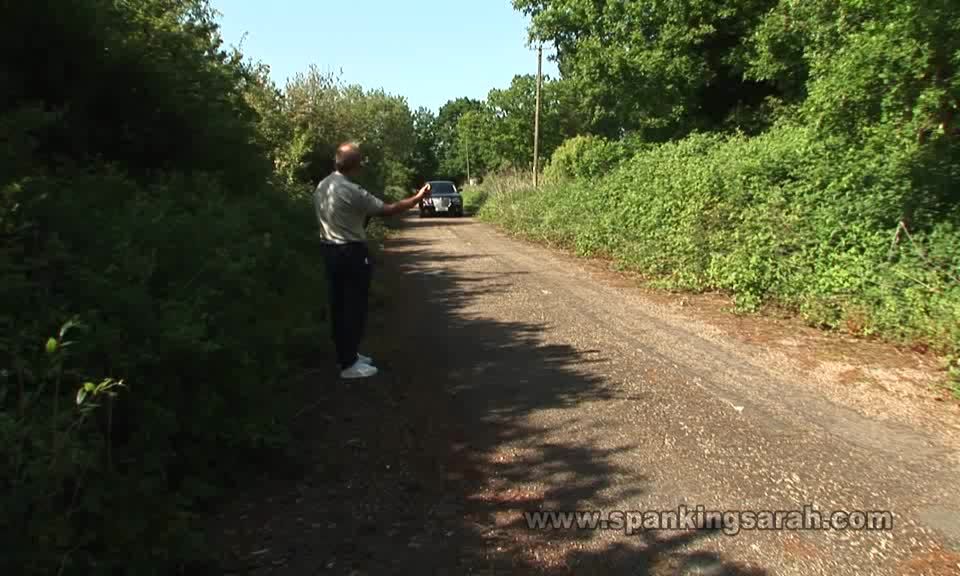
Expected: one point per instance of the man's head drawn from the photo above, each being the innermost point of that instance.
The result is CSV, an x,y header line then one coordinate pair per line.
x,y
348,159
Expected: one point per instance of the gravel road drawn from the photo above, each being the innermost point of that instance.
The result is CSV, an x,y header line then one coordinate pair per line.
x,y
579,394
526,379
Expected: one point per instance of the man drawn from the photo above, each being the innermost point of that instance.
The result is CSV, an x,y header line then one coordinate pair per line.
x,y
343,209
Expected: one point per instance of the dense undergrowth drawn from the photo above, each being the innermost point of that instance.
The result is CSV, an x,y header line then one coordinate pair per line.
x,y
789,216
803,153
160,280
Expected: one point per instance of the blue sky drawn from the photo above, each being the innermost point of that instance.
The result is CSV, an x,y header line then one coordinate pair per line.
x,y
428,51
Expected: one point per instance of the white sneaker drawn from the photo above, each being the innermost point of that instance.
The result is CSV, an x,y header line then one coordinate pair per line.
x,y
365,359
358,370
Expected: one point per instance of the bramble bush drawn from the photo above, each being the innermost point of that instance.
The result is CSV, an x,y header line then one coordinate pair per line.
x,y
841,203
586,157
202,305
789,216
152,188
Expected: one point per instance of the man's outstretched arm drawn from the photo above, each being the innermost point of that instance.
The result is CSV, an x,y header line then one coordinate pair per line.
x,y
405,204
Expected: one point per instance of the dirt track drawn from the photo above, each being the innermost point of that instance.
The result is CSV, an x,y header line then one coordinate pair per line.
x,y
516,378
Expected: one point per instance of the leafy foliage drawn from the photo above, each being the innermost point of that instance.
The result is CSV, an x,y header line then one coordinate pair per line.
x,y
586,157
497,133
425,162
786,216
660,67
153,186
323,113
474,197
451,151
808,154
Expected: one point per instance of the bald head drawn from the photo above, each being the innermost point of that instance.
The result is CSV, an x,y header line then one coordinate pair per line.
x,y
348,158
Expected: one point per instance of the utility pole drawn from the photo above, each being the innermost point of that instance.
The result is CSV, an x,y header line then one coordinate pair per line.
x,y
468,156
536,119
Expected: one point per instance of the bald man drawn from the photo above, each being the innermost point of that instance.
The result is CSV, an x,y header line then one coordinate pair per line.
x,y
343,208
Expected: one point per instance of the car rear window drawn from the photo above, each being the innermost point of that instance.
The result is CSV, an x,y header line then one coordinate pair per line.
x,y
442,189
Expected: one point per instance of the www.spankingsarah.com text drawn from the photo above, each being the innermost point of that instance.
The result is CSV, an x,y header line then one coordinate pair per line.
x,y
730,522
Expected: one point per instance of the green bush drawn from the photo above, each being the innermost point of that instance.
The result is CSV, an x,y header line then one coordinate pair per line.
x,y
137,196
844,202
474,198
789,216
585,157
200,304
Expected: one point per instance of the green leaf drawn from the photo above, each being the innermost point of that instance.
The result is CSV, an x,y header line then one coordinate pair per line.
x,y
51,345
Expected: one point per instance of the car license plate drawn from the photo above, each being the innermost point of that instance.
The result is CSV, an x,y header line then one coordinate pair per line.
x,y
442,206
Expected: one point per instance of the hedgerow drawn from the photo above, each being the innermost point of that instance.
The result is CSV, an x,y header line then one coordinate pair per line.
x,y
160,279
841,203
789,216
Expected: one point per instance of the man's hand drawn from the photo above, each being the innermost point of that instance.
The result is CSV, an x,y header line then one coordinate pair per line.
x,y
404,205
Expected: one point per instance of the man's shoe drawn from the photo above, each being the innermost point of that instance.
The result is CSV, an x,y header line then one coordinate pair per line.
x,y
365,359
358,370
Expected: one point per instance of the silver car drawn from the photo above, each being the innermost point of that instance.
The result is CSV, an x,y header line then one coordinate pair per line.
x,y
444,199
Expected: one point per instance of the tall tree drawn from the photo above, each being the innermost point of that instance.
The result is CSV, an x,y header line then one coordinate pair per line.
x,y
424,163
859,62
325,113
447,139
513,110
499,133
664,67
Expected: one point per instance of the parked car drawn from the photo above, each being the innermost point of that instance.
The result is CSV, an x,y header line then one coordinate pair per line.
x,y
444,199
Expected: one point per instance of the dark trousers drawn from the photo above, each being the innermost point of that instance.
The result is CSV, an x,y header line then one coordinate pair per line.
x,y
348,275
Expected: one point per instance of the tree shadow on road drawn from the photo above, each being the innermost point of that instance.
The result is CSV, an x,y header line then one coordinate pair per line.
x,y
480,390
478,416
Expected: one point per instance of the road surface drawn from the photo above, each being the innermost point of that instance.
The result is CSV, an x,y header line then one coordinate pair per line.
x,y
518,378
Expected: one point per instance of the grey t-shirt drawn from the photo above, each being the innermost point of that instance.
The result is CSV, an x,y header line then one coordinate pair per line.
x,y
342,209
